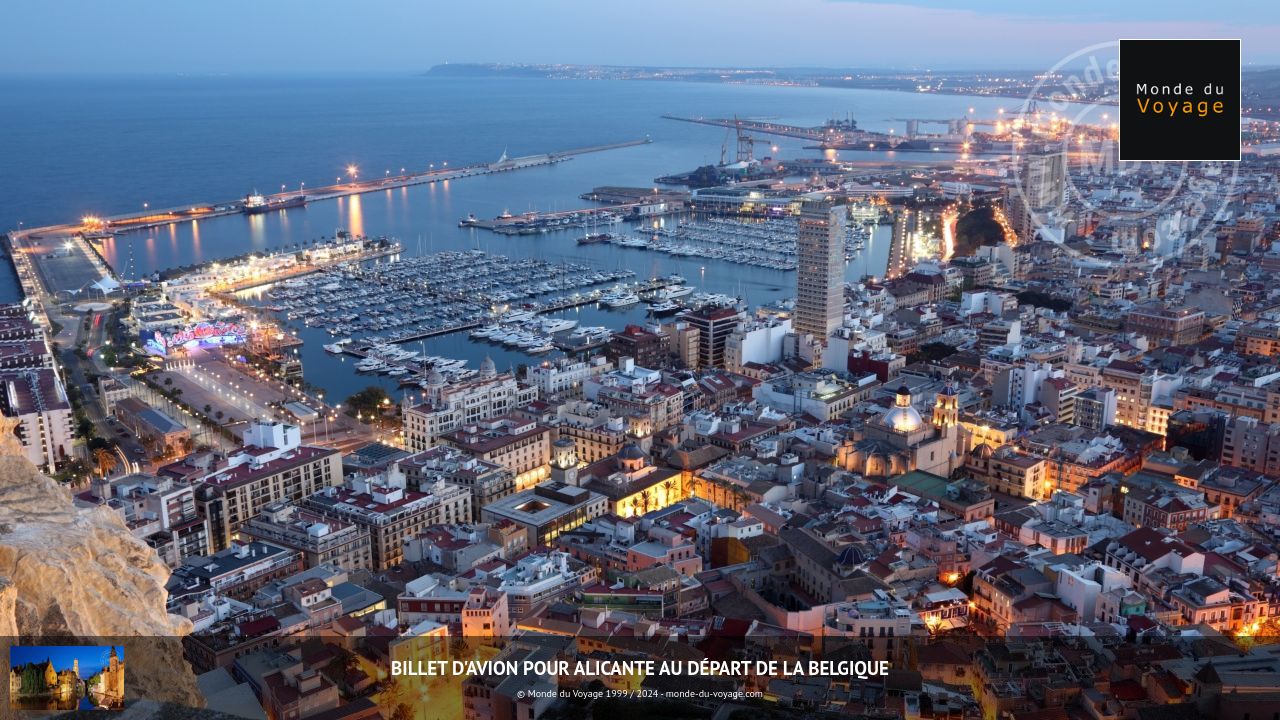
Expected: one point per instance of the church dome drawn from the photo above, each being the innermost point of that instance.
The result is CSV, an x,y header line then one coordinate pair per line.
x,y
851,555
902,419
435,377
631,451
487,368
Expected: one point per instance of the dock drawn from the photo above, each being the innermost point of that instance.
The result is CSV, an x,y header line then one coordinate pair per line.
x,y
152,218
309,268
38,241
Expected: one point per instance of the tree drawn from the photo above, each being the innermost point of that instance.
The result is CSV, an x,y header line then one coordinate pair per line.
x,y
208,408
931,352
105,460
368,401
168,381
402,712
218,415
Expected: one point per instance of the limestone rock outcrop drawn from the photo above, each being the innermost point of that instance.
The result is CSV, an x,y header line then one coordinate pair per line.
x,y
69,572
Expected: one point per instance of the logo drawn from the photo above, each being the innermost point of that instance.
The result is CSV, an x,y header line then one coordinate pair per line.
x,y
1180,100
1151,206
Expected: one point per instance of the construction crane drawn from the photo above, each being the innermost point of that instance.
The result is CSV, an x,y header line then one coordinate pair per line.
x,y
746,146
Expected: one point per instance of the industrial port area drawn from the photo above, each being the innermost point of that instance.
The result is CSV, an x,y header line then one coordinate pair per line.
x,y
814,393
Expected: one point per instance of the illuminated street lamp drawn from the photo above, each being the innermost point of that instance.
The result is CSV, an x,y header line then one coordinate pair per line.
x,y
353,171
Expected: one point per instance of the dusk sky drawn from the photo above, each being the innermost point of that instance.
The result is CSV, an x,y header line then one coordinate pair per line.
x,y
380,36
92,658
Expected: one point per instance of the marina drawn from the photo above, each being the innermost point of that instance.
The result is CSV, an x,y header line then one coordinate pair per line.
x,y
503,300
423,296
539,223
768,243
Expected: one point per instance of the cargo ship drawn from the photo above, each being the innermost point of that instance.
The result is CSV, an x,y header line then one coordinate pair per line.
x,y
255,203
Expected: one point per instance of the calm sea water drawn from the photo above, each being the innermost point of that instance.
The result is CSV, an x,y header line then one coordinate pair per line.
x,y
105,146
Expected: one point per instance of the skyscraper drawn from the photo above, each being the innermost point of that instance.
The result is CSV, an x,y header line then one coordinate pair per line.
x,y
820,275
1043,177
1041,189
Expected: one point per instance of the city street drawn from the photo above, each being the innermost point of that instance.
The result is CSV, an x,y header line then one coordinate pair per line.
x,y
206,379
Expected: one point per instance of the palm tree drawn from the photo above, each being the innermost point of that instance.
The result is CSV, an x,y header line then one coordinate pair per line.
x,y
105,460
670,487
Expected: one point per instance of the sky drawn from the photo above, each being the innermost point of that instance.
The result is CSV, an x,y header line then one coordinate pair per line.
x,y
92,659
247,37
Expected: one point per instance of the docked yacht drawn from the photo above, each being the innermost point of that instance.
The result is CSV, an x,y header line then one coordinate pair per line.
x,y
664,307
555,325
622,299
671,292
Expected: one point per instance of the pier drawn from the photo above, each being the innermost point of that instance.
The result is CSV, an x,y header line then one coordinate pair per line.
x,y
152,218
566,303
32,247
534,223
296,271
832,136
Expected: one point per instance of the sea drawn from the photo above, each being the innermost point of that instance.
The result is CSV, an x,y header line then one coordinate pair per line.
x,y
77,146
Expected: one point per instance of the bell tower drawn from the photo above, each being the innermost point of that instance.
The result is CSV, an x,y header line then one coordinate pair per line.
x,y
946,411
564,461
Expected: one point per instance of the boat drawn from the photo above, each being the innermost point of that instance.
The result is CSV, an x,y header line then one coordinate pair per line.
x,y
620,299
335,348
469,221
666,307
555,325
255,203
671,292
593,238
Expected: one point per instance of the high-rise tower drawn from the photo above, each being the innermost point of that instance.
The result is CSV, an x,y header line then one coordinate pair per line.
x,y
820,274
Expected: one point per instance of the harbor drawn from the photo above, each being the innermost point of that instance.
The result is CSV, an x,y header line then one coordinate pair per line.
x,y
767,243
254,203
65,260
444,292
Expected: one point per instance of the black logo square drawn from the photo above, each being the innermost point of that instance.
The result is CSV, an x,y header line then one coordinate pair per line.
x,y
1180,100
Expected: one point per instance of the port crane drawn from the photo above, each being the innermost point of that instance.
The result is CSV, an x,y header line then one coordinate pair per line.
x,y
746,144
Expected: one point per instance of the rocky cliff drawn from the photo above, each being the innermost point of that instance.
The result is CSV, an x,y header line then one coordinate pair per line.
x,y
78,574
